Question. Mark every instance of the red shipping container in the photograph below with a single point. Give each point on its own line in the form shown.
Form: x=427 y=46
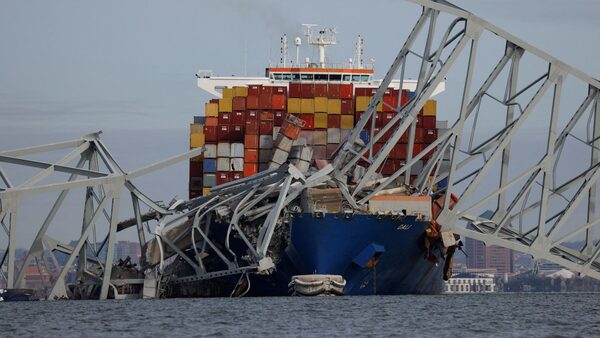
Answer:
x=252 y=102
x=330 y=150
x=196 y=169
x=278 y=117
x=224 y=119
x=430 y=135
x=279 y=90
x=398 y=152
x=211 y=121
x=250 y=169
x=359 y=116
x=404 y=99
x=252 y=115
x=404 y=137
x=251 y=141
x=379 y=120
x=386 y=118
x=266 y=127
x=389 y=103
x=266 y=90
x=223 y=132
x=419 y=135
x=319 y=152
x=264 y=101
x=254 y=90
x=239 y=103
x=238 y=117
x=333 y=91
x=210 y=134
x=417 y=148
x=377 y=148
x=278 y=101
x=236 y=132
x=266 y=116
x=236 y=175
x=252 y=127
x=320 y=90
x=391 y=166
x=295 y=90
x=223 y=177
x=365 y=91
x=309 y=121
x=347 y=106
x=428 y=122
x=308 y=90
x=334 y=121
x=346 y=91
x=251 y=155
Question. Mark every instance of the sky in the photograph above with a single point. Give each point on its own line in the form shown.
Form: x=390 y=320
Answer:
x=68 y=68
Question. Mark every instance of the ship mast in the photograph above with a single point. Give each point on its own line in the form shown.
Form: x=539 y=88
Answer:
x=325 y=39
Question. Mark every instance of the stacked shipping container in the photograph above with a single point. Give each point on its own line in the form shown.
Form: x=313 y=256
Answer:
x=240 y=130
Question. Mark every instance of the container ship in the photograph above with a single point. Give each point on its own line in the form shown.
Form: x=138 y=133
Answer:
x=300 y=113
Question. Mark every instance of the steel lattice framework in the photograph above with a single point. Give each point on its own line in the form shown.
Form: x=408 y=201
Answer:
x=103 y=186
x=527 y=214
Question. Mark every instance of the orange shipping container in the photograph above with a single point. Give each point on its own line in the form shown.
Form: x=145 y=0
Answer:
x=251 y=141
x=251 y=155
x=212 y=121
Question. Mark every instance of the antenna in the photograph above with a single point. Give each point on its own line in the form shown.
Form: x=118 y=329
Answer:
x=284 y=50
x=359 y=52
x=298 y=43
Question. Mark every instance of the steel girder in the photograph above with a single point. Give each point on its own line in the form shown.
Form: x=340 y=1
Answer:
x=525 y=199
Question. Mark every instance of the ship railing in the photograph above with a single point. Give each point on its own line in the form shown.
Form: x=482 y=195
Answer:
x=346 y=65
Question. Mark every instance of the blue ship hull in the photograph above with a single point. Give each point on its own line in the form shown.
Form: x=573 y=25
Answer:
x=375 y=256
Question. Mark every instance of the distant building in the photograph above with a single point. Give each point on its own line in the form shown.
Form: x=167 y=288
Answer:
x=471 y=282
x=480 y=256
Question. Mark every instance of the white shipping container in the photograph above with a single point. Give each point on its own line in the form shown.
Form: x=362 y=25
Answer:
x=279 y=156
x=237 y=150
x=223 y=164
x=334 y=135
x=223 y=149
x=284 y=143
x=265 y=142
x=276 y=132
x=237 y=164
x=210 y=151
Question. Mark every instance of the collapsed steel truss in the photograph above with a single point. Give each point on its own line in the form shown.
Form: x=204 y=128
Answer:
x=102 y=191
x=264 y=196
x=511 y=224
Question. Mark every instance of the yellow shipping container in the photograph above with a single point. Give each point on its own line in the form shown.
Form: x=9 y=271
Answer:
x=211 y=109
x=347 y=122
x=321 y=120
x=334 y=106
x=205 y=191
x=196 y=140
x=362 y=102
x=294 y=105
x=225 y=105
x=240 y=91
x=321 y=105
x=430 y=108
x=307 y=106
x=227 y=93
x=196 y=128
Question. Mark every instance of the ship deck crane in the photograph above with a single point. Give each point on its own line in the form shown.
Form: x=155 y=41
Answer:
x=538 y=209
